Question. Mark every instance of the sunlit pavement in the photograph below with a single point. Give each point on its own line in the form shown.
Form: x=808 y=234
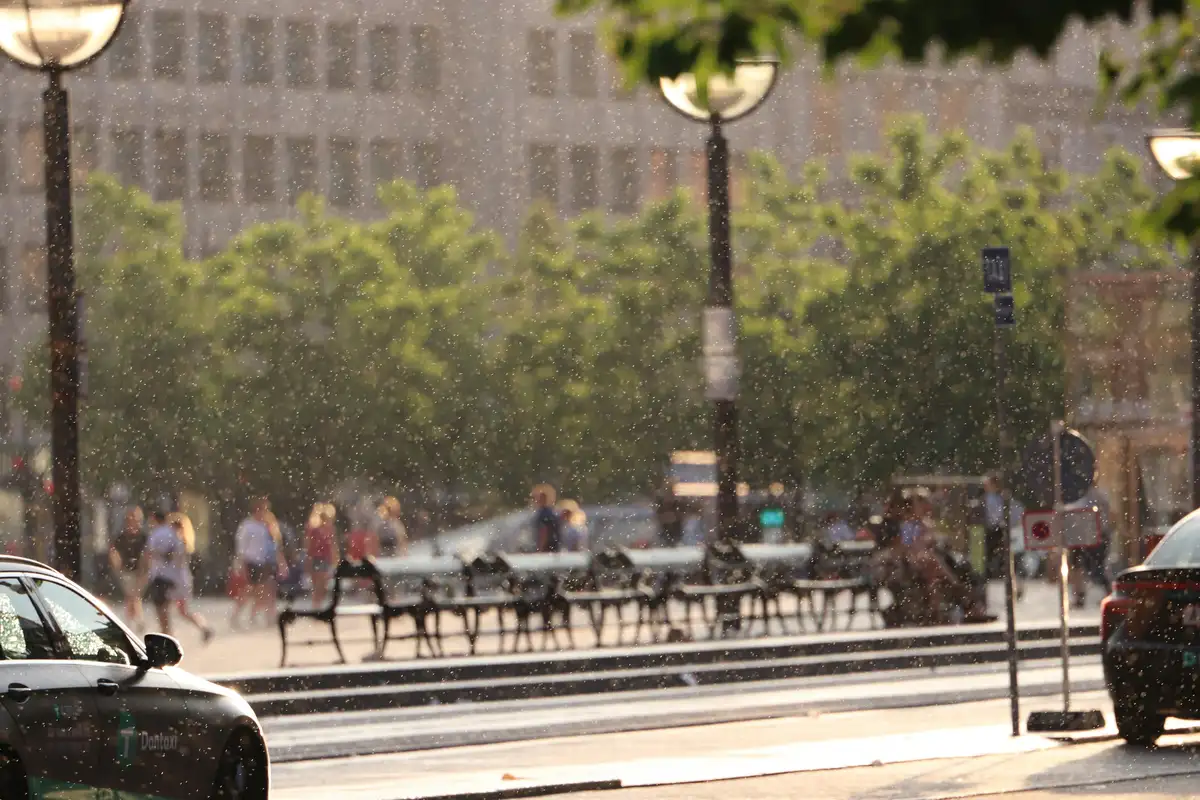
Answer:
x=257 y=649
x=943 y=752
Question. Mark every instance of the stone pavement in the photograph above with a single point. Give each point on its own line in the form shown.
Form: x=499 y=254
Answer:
x=257 y=649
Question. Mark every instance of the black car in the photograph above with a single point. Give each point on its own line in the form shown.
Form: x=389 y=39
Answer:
x=87 y=710
x=1150 y=625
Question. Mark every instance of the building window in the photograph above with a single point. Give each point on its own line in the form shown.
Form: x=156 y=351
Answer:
x=427 y=163
x=125 y=54
x=128 y=146
x=583 y=64
x=383 y=44
x=214 y=48
x=386 y=161
x=169 y=45
x=31 y=161
x=215 y=168
x=170 y=165
x=33 y=277
x=542 y=66
x=300 y=68
x=259 y=169
x=343 y=53
x=343 y=172
x=664 y=172
x=626 y=191
x=301 y=167
x=85 y=153
x=585 y=190
x=257 y=52
x=427 y=58
x=543 y=173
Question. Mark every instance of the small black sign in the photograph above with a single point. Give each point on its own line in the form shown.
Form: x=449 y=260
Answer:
x=1006 y=315
x=997 y=270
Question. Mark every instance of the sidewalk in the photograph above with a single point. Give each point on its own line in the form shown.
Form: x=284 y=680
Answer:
x=257 y=649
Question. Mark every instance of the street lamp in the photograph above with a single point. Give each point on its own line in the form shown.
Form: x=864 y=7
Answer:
x=1177 y=152
x=729 y=98
x=54 y=36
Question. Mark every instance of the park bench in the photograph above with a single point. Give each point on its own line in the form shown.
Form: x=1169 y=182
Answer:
x=412 y=585
x=347 y=576
x=540 y=584
x=611 y=581
x=727 y=579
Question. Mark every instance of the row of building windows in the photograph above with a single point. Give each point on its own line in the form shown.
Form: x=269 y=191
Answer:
x=633 y=174
x=583 y=67
x=257 y=43
x=165 y=173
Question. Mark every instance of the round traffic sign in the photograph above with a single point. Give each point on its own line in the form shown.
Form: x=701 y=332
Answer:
x=1035 y=484
x=1041 y=531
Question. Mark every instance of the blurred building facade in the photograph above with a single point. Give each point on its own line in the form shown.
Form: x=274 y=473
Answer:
x=1128 y=364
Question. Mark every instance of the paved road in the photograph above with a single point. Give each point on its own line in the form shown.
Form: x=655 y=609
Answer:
x=961 y=750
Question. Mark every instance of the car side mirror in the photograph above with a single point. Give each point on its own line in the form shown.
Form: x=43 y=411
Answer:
x=162 y=650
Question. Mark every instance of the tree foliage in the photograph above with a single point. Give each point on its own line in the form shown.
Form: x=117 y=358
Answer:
x=414 y=352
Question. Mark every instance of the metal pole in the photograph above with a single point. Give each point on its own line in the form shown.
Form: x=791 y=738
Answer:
x=64 y=331
x=1014 y=689
x=1196 y=375
x=1064 y=566
x=720 y=295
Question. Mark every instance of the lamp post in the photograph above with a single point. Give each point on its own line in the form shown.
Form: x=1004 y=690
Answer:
x=1177 y=153
x=54 y=36
x=729 y=98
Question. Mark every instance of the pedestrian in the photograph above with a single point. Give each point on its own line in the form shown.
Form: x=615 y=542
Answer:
x=167 y=571
x=995 y=528
x=547 y=525
x=669 y=511
x=257 y=553
x=321 y=550
x=125 y=560
x=185 y=532
x=393 y=538
x=574 y=526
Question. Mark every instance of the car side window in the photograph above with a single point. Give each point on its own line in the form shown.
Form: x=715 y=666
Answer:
x=91 y=635
x=23 y=634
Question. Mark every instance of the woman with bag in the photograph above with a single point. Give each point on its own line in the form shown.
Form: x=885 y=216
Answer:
x=168 y=571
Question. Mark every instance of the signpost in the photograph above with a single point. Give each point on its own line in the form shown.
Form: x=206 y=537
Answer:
x=997 y=281
x=1067 y=720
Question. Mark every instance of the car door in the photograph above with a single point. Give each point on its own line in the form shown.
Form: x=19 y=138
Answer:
x=142 y=712
x=47 y=698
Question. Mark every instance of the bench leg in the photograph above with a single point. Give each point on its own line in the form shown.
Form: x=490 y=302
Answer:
x=283 y=626
x=337 y=645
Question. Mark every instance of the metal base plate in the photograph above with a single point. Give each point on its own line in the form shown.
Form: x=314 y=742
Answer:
x=1064 y=721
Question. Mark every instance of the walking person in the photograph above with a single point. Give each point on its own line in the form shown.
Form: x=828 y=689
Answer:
x=393 y=538
x=547 y=525
x=168 y=571
x=125 y=561
x=669 y=512
x=257 y=553
x=574 y=526
x=995 y=528
x=321 y=550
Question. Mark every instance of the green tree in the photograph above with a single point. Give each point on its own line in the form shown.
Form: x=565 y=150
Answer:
x=899 y=356
x=146 y=421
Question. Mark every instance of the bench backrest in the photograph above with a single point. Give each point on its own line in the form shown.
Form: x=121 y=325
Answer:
x=355 y=572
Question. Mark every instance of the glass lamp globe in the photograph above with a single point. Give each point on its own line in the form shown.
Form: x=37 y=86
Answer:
x=1177 y=152
x=58 y=34
x=729 y=97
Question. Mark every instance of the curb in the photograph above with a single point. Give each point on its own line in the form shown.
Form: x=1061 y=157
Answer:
x=708 y=716
x=542 y=790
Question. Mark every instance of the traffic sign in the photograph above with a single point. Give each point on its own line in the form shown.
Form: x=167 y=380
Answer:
x=1035 y=484
x=997 y=270
x=1075 y=529
x=1040 y=531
